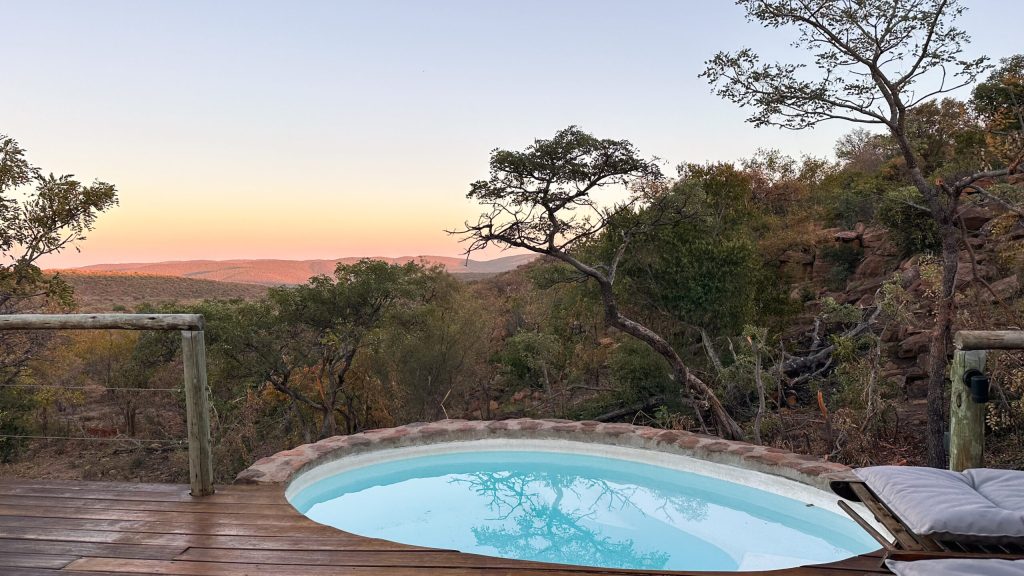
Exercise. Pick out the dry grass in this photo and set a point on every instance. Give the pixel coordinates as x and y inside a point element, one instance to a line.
<point>111,291</point>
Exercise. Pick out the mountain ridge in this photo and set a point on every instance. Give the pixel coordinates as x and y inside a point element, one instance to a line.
<point>273,271</point>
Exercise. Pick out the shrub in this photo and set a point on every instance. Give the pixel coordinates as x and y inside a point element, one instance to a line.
<point>912,227</point>
<point>844,259</point>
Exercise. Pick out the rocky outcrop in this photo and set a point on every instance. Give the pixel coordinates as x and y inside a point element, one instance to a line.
<point>907,348</point>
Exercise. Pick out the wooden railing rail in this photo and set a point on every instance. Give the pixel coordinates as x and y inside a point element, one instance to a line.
<point>967,417</point>
<point>193,352</point>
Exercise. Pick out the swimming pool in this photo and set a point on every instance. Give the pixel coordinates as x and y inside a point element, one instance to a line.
<point>582,504</point>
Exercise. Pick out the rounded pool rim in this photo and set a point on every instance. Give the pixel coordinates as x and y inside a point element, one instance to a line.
<point>763,467</point>
<point>284,468</point>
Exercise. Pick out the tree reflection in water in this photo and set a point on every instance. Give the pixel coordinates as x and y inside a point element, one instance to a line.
<point>534,521</point>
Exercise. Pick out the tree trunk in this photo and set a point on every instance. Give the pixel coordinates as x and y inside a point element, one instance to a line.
<point>327,426</point>
<point>728,427</point>
<point>941,339</point>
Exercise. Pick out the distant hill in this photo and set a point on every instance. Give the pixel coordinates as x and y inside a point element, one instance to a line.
<point>278,272</point>
<point>110,291</point>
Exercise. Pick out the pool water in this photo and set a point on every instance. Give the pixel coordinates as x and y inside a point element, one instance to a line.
<point>579,509</point>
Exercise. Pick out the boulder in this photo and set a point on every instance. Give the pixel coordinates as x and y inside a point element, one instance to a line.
<point>890,333</point>
<point>874,237</point>
<point>909,275</point>
<point>871,267</point>
<point>1015,233</point>
<point>891,370</point>
<point>846,236</point>
<point>964,257</point>
<point>821,270</point>
<point>975,216</point>
<point>914,345</point>
<point>967,273</point>
<point>1003,289</point>
<point>916,388</point>
<point>865,301</point>
<point>796,257</point>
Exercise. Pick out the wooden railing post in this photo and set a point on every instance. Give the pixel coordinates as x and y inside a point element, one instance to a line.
<point>966,417</point>
<point>197,412</point>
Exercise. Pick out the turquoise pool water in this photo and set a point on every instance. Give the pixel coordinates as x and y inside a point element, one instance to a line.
<point>579,509</point>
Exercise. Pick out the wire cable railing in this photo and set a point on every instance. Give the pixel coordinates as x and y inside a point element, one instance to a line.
<point>193,347</point>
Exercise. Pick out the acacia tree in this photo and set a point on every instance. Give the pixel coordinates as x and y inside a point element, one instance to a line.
<point>874,62</point>
<point>303,340</point>
<point>542,199</point>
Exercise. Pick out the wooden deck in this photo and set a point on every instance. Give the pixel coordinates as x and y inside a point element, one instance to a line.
<point>61,528</point>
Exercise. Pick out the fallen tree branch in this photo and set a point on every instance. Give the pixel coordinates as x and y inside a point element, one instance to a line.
<point>651,402</point>
<point>799,365</point>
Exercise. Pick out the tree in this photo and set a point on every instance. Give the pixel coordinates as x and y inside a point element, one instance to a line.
<point>303,340</point>
<point>40,214</point>
<point>870,56</point>
<point>999,100</point>
<point>542,199</point>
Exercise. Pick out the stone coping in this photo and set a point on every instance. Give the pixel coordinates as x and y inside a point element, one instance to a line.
<point>283,467</point>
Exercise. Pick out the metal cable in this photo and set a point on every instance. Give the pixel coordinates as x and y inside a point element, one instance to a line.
<point>140,440</point>
<point>87,387</point>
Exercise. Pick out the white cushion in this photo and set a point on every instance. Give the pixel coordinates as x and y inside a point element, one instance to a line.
<point>980,506</point>
<point>957,567</point>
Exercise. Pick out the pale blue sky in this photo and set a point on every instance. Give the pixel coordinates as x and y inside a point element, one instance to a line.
<point>324,129</point>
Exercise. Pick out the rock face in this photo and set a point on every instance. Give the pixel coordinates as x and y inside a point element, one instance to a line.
<point>907,347</point>
<point>975,216</point>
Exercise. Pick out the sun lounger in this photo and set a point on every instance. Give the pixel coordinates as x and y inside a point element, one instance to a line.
<point>939,513</point>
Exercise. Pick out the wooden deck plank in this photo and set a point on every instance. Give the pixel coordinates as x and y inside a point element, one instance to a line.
<point>153,515</point>
<point>411,558</point>
<point>92,486</point>
<point>98,529</point>
<point>188,540</point>
<point>282,508</point>
<point>253,497</point>
<point>186,568</point>
<point>425,559</point>
<point>24,560</point>
<point>17,571</point>
<point>78,549</point>
<point>203,528</point>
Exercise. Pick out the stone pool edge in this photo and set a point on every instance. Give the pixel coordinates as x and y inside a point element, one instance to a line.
<point>284,466</point>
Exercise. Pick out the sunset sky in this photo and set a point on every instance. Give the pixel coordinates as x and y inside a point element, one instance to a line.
<point>330,129</point>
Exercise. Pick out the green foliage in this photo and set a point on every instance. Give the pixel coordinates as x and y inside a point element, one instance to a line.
<point>844,259</point>
<point>16,408</point>
<point>834,313</point>
<point>304,341</point>
<point>40,214</point>
<point>947,137</point>
<point>531,358</point>
<point>1000,98</point>
<point>542,197</point>
<point>911,226</point>
<point>851,196</point>
<point>704,271</point>
<point>855,46</point>
<point>639,372</point>
<point>431,352</point>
